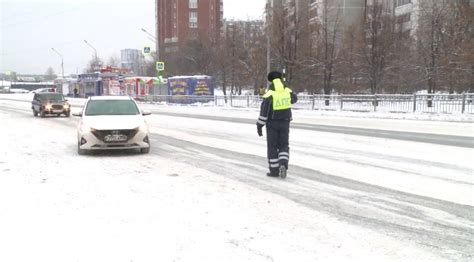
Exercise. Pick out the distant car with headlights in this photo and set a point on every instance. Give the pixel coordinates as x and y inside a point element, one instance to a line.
<point>50,104</point>
<point>112,122</point>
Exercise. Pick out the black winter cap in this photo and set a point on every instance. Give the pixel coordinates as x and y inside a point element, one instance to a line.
<point>273,75</point>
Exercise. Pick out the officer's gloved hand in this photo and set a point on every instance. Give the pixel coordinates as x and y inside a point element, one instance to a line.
<point>259,129</point>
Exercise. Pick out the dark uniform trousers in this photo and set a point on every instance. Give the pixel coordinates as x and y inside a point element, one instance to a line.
<point>277,144</point>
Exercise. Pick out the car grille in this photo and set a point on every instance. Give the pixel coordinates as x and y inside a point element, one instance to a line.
<point>102,134</point>
<point>57,107</point>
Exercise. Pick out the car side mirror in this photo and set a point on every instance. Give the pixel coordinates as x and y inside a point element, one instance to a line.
<point>146,113</point>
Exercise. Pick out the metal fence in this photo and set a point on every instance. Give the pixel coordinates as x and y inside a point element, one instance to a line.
<point>388,103</point>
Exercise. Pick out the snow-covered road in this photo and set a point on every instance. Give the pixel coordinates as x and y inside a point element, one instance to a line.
<point>202,194</point>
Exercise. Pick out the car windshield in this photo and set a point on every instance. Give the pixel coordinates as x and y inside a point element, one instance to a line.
<point>51,97</point>
<point>111,107</point>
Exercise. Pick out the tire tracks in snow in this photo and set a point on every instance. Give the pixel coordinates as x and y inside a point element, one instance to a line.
<point>442,227</point>
<point>398,214</point>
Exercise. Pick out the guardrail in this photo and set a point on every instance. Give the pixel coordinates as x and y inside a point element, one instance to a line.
<point>389,103</point>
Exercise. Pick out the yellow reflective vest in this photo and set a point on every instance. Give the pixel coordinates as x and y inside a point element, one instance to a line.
<point>281,96</point>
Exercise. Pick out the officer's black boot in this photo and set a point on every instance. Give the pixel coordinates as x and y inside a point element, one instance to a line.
<point>273,173</point>
<point>282,171</point>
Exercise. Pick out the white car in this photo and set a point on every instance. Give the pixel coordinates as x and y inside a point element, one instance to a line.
<point>43,90</point>
<point>18,91</point>
<point>112,122</point>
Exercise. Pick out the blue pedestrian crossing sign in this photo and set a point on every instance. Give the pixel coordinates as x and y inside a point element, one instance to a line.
<point>146,50</point>
<point>160,66</point>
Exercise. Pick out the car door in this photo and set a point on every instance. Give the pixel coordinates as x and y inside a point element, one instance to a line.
<point>34,103</point>
<point>37,102</point>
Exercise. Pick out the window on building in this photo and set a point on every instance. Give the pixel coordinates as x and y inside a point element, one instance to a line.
<point>193,18</point>
<point>402,2</point>
<point>193,3</point>
<point>403,18</point>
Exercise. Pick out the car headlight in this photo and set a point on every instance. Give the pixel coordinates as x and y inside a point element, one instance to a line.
<point>48,107</point>
<point>85,128</point>
<point>144,128</point>
<point>66,106</point>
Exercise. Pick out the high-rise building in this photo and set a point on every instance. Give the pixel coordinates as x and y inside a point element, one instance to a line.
<point>132,59</point>
<point>342,12</point>
<point>178,21</point>
<point>298,13</point>
<point>247,30</point>
<point>407,12</point>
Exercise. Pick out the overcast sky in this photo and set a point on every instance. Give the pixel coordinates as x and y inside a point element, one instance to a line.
<point>29,29</point>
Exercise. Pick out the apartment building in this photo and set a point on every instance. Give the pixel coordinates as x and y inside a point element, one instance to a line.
<point>303,14</point>
<point>132,59</point>
<point>346,12</point>
<point>247,30</point>
<point>178,21</point>
<point>407,12</point>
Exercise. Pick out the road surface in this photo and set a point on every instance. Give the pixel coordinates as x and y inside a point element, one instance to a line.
<point>353,192</point>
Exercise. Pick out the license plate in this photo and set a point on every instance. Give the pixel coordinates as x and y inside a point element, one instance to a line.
<point>57,111</point>
<point>115,138</point>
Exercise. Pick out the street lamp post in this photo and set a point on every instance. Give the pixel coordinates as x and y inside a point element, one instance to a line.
<point>95,51</point>
<point>157,44</point>
<point>269,13</point>
<point>62,67</point>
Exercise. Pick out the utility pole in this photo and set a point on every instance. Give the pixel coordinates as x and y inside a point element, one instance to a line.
<point>157,42</point>
<point>62,68</point>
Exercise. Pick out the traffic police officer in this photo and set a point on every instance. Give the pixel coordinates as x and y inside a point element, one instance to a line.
<point>275,114</point>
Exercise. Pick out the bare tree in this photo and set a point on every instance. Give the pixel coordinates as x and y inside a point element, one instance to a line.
<point>458,47</point>
<point>49,74</point>
<point>298,45</point>
<point>254,61</point>
<point>94,65</point>
<point>114,61</point>
<point>328,33</point>
<point>377,51</point>
<point>350,69</point>
<point>246,41</point>
<point>277,30</point>
<point>150,65</point>
<point>430,37</point>
<point>221,64</point>
<point>192,57</point>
